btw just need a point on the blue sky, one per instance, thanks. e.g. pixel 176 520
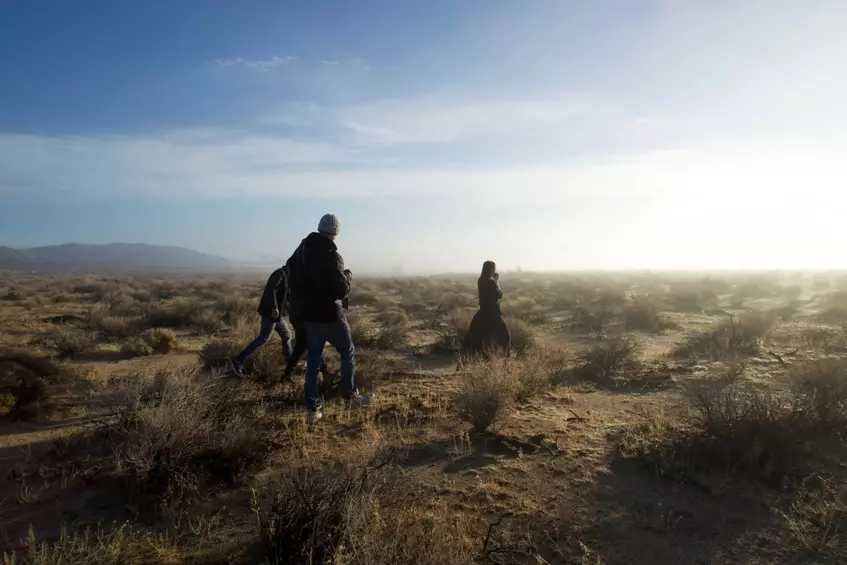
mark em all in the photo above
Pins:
pixel 540 133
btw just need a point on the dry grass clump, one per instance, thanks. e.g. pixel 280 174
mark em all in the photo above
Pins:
pixel 23 385
pixel 109 327
pixel 182 434
pixel 90 546
pixel 732 338
pixel 834 315
pixel 233 307
pixel 216 353
pixel 487 393
pixel 72 344
pixel 363 331
pixel 451 334
pixel 161 340
pixel 739 429
pixel 614 358
pixel 527 310
pixel 266 363
pixel 821 387
pixel 363 512
pixel 393 319
pixel 590 320
pixel 817 517
pixel 523 336
pixel 691 298
pixel 181 313
pixel 824 339
pixel 136 347
pixel 390 338
pixel 642 314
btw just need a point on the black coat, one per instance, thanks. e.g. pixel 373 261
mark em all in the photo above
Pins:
pixel 488 329
pixel 318 280
pixel 275 294
pixel 489 296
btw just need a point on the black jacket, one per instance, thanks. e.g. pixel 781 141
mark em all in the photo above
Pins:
pixel 318 280
pixel 275 295
pixel 489 296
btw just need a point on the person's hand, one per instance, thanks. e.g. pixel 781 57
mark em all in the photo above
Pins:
pixel 275 314
pixel 496 276
pixel 348 273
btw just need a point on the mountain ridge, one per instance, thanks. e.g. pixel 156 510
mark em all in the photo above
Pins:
pixel 109 255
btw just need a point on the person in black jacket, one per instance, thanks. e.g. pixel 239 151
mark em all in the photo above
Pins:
pixel 318 283
pixel 271 308
pixel 488 330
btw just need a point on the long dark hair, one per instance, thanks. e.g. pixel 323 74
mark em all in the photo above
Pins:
pixel 488 270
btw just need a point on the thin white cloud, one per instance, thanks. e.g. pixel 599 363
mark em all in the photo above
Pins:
pixel 330 63
pixel 257 64
pixel 442 118
pixel 212 164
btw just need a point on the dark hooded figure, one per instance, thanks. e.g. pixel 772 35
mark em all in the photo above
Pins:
pixel 488 330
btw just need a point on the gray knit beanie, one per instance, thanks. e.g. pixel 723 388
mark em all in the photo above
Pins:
pixel 329 225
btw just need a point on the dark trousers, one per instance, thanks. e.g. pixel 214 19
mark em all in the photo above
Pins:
pixel 339 336
pixel 266 330
pixel 301 344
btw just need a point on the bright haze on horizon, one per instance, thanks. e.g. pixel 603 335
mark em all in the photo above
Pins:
pixel 549 135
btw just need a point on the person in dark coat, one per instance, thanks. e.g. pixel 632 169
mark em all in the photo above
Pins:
pixel 488 330
pixel 271 309
pixel 318 284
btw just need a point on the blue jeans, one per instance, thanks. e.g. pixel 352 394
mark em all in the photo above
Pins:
pixel 266 330
pixel 338 335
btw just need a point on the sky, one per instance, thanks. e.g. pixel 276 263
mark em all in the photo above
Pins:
pixel 541 134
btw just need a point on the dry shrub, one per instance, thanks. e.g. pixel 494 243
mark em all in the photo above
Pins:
pixel 522 334
pixel 553 362
pixel 739 429
pixel 23 385
pixel 109 327
pixel 834 315
pixel 363 331
pixel 824 339
pixel 184 433
pixel 233 307
pixel 487 393
pixel 266 363
pixel 216 354
pixel 136 347
pixel 821 388
pixel 642 314
pixel 361 512
pixel 390 338
pixel 178 314
pixel 452 333
pixel 364 297
pixel 616 357
pixel 71 344
pixel 691 298
pixel 394 319
pixel 590 320
pixel 161 340
pixel 732 338
pixel 736 429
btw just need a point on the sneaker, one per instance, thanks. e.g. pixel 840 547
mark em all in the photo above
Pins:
pixel 360 400
pixel 236 368
pixel 313 416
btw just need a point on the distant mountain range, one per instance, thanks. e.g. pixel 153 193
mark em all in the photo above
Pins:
pixel 112 255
